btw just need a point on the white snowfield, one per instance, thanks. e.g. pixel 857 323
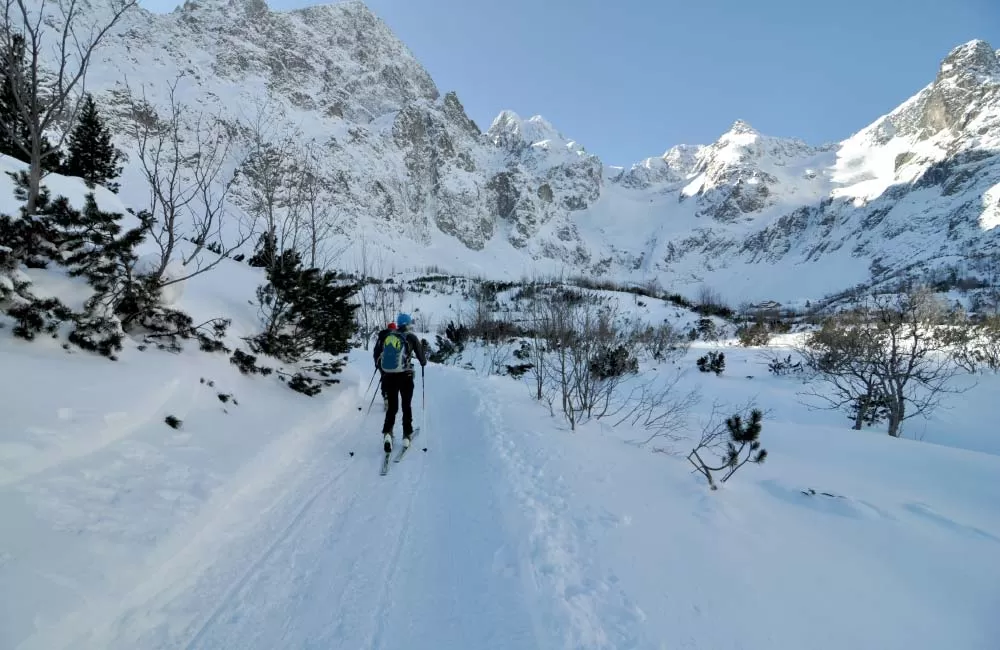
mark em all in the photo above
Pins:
pixel 262 522
pixel 265 524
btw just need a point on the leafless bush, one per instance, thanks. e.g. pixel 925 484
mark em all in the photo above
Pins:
pixel 756 334
pixel 897 350
pixel 711 303
pixel 656 407
pixel 182 155
pixel 663 342
pixel 976 346
pixel 312 194
pixel 378 301
pixel 585 357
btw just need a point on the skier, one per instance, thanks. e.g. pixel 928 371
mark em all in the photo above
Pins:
pixel 381 384
pixel 393 352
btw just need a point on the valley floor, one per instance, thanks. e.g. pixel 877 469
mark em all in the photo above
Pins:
pixel 265 524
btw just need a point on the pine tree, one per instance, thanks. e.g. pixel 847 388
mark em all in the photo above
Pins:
pixel 91 155
pixel 91 244
pixel 306 313
pixel 31 239
pixel 12 124
pixel 266 251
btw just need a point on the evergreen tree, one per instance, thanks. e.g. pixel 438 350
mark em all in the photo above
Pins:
pixel 266 251
pixel 12 125
pixel 91 244
pixel 32 239
pixel 306 313
pixel 91 154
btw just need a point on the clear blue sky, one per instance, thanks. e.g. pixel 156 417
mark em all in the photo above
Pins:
pixel 630 78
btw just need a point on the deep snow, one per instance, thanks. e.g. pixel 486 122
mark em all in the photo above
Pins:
pixel 261 521
pixel 265 523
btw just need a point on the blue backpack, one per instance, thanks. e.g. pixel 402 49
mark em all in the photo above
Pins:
pixel 395 354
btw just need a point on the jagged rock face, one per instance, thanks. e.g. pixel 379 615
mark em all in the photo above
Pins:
pixel 671 168
pixel 737 175
pixel 957 103
pixel 407 165
pixel 545 177
pixel 355 66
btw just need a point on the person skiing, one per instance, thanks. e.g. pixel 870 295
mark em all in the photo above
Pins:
pixel 381 384
pixel 393 352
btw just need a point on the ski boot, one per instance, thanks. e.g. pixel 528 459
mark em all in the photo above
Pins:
pixel 406 439
pixel 387 442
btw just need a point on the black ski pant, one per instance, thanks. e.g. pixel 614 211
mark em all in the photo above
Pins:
pixel 398 385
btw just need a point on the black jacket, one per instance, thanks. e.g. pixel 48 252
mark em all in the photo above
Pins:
pixel 412 343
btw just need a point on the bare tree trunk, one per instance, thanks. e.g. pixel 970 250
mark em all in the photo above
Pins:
pixel 75 44
pixel 188 187
pixel 859 417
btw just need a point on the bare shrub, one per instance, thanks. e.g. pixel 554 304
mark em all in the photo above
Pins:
pixel 586 356
pixel 976 346
pixel 182 155
pixel 756 334
pixel 656 407
pixel 662 342
pixel 897 350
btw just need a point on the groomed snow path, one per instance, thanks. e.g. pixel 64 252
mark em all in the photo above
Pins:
pixel 333 555
pixel 507 533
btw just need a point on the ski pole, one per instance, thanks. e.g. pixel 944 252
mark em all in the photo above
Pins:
pixel 373 396
pixel 423 391
pixel 371 380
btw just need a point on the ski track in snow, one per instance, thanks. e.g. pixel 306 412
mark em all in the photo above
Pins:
pixel 594 612
pixel 394 562
pixel 199 552
pixel 506 534
pixel 326 553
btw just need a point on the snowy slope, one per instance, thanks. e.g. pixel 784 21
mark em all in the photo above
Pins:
pixel 265 524
pixel 260 520
pixel 757 217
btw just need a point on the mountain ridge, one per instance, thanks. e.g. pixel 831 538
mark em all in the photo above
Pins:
pixel 416 177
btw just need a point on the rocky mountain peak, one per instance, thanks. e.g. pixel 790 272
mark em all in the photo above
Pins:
pixel 976 59
pixel 510 131
pixel 682 157
pixel 740 127
pixel 402 158
pixel 227 8
pixel 957 109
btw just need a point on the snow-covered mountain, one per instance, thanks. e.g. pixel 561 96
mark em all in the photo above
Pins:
pixel 752 215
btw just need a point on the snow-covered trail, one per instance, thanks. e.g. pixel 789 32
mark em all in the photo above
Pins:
pixel 408 560
pixel 508 532
pixel 329 554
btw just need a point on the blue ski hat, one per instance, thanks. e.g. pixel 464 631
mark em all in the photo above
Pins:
pixel 403 320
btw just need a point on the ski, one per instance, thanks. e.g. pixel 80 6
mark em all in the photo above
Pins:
pixel 385 464
pixel 402 452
